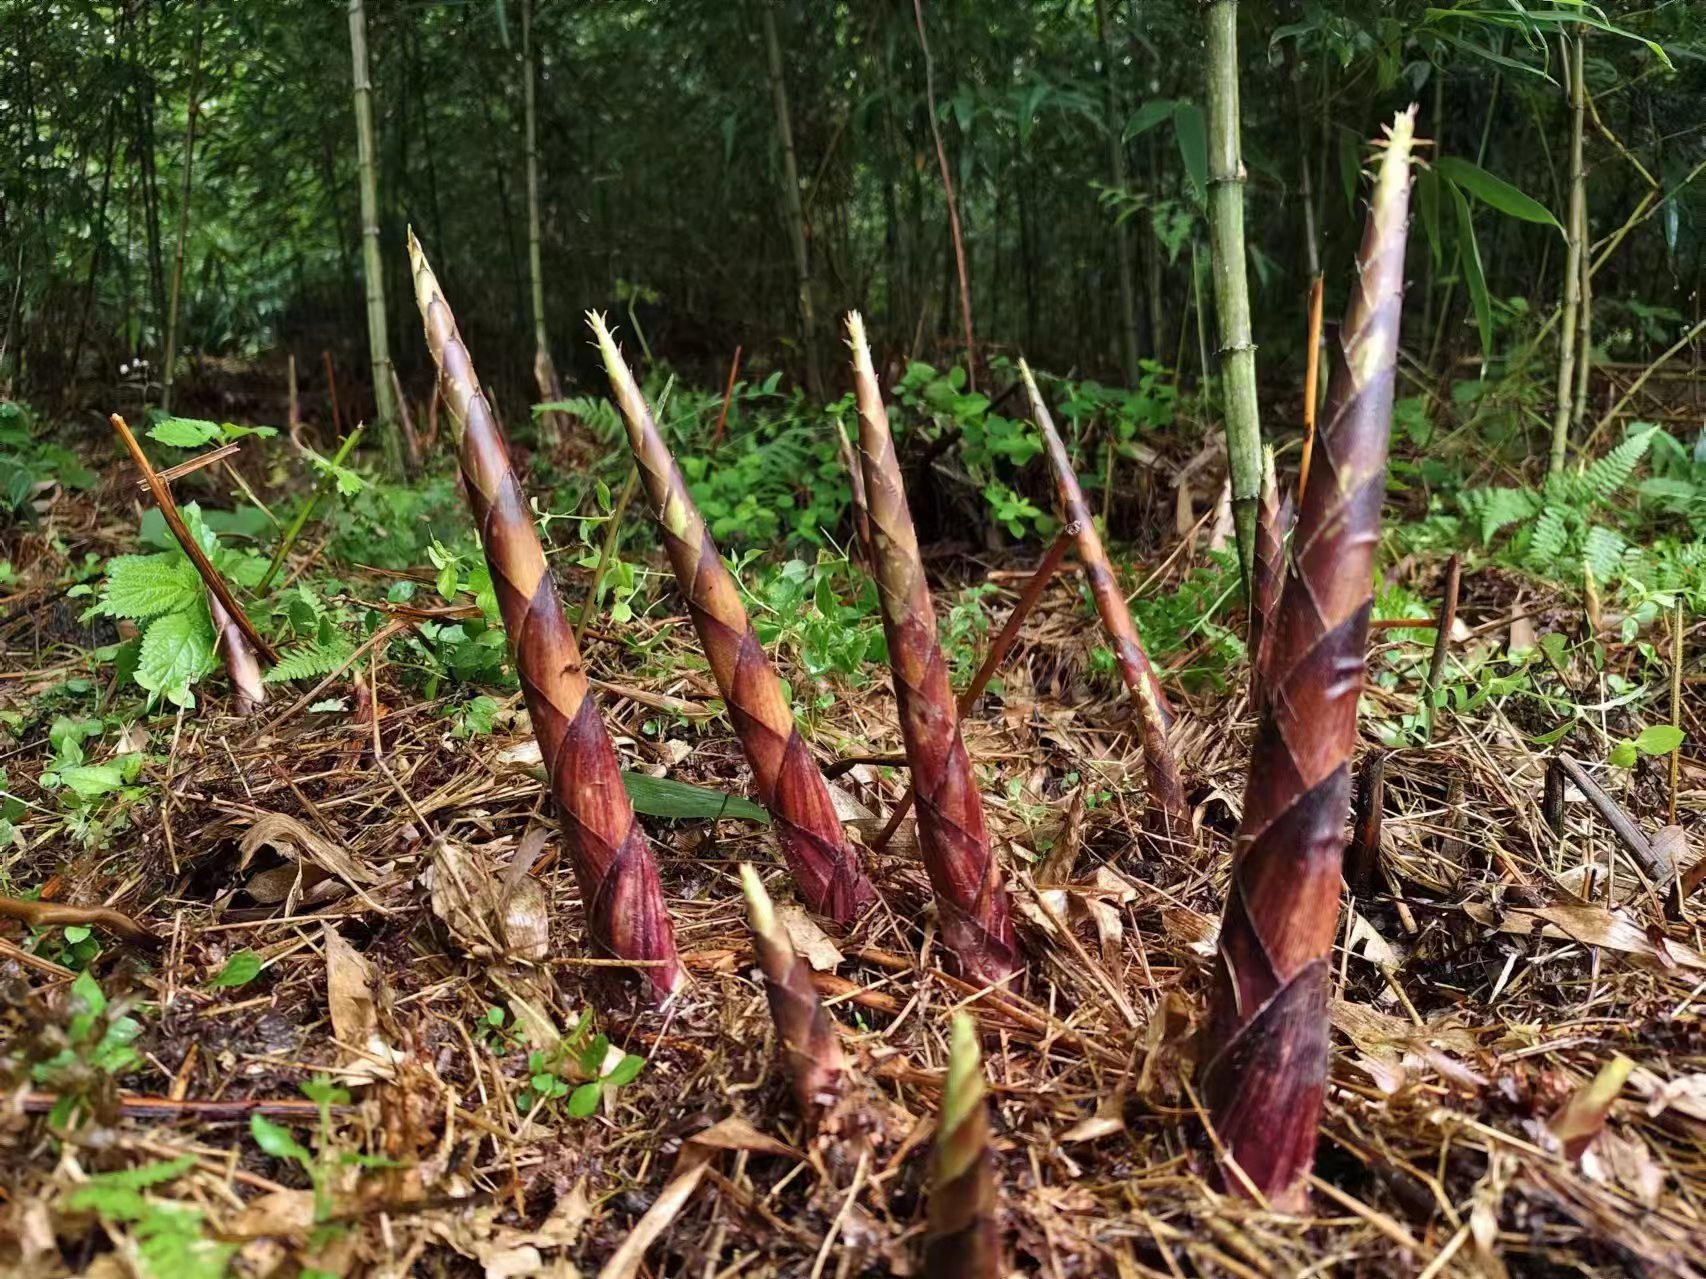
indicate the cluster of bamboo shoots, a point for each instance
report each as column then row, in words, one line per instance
column 1265, row 1073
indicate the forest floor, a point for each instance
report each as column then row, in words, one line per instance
column 1490, row 976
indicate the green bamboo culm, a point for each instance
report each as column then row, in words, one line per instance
column 1231, row 287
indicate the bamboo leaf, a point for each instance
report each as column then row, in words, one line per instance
column 1151, row 113
column 682, row 801
column 1192, row 133
column 1427, row 195
column 1473, row 276
column 1494, row 191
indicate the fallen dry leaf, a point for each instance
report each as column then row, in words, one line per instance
column 1590, row 926
column 293, row 841
column 625, row 1262
column 811, row 943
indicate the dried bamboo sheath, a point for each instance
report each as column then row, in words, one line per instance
column 626, row 914
column 1166, row 791
column 787, row 780
column 977, row 921
column 1266, row 1071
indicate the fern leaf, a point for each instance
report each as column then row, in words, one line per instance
column 1602, row 552
column 1549, row 538
column 1599, row 483
column 310, row 661
column 1497, row 508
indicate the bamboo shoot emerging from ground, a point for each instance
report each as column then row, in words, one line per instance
column 241, row 664
column 1265, row 1071
column 962, row 1240
column 809, row 1041
column 813, row 840
column 1166, row 791
column 624, row 902
column 977, row 921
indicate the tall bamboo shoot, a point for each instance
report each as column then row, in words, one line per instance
column 625, row 910
column 977, row 921
column 1266, row 1070
column 1166, row 791
column 812, row 838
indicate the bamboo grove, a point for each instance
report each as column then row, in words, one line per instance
column 1264, row 1057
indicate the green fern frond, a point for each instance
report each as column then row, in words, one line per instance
column 1495, row 508
column 1549, row 539
column 1602, row 551
column 311, row 661
column 1601, row 480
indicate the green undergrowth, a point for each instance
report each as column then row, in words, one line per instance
column 1623, row 532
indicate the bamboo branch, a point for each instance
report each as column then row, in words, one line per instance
column 1265, row 1072
column 626, row 914
column 1237, row 352
column 175, row 521
column 785, row 777
column 977, row 922
column 1166, row 790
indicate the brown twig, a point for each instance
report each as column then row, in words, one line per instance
column 728, row 398
column 192, row 548
column 1442, row 641
column 1628, row 832
column 1034, row 587
column 1311, row 381
column 332, row 394
column 55, row 915
column 194, row 464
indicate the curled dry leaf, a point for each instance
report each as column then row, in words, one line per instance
column 1590, row 926
column 292, row 840
column 351, row 987
column 1583, row 1116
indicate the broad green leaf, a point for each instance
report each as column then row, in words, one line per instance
column 1473, row 275
column 177, row 650
column 276, row 1140
column 1623, row 755
column 184, row 432
column 144, row 586
column 241, row 969
column 1496, row 192
column 1658, row 739
column 584, row 1100
column 1151, row 113
column 87, row 991
column 627, row 1070
column 1192, row 133
column 91, row 781
column 666, row 797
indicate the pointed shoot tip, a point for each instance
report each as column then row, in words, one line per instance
column 759, row 909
